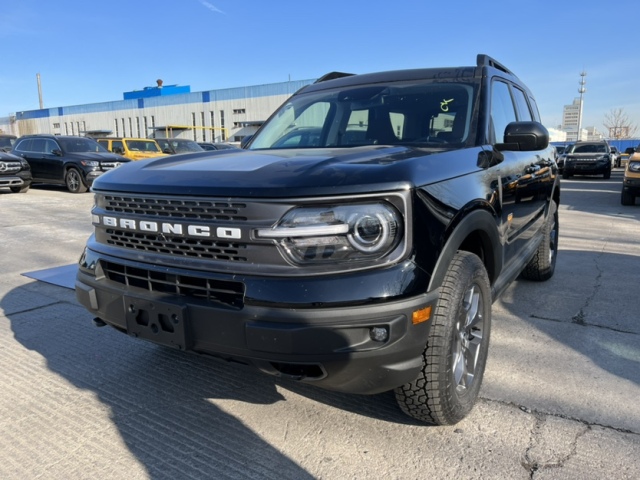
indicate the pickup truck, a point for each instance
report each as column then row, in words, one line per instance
column 356, row 243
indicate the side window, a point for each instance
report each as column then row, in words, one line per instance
column 524, row 114
column 502, row 111
column 39, row 145
column 24, row 145
column 534, row 108
column 50, row 146
column 117, row 146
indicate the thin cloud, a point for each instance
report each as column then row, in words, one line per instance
column 213, row 8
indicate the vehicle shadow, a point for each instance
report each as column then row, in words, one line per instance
column 164, row 403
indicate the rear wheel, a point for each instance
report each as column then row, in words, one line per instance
column 607, row 175
column 73, row 180
column 455, row 356
column 543, row 263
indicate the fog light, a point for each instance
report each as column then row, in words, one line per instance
column 379, row 334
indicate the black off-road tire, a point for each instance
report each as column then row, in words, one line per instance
column 565, row 174
column 543, row 264
column 607, row 175
column 455, row 356
column 74, row 182
column 20, row 189
column 627, row 199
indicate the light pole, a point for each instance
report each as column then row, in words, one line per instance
column 581, row 90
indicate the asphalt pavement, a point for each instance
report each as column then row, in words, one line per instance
column 559, row 399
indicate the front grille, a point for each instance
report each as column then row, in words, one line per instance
column 188, row 247
column 193, row 287
column 175, row 208
column 10, row 167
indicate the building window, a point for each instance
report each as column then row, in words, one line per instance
column 130, row 127
column 238, row 111
column 56, row 125
column 193, row 122
column 146, row 128
column 224, row 136
column 124, row 129
column 117, row 131
column 204, row 130
column 213, row 124
column 66, row 128
column 138, row 126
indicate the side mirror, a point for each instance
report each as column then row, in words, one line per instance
column 57, row 152
column 525, row 137
column 167, row 150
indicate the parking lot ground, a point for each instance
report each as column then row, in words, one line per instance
column 559, row 400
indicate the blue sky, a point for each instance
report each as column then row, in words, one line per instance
column 90, row 51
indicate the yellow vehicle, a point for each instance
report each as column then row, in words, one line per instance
column 631, row 180
column 133, row 148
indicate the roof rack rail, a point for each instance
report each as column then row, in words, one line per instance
column 486, row 60
column 332, row 76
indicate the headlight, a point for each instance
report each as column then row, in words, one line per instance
column 25, row 165
column 90, row 163
column 634, row 166
column 337, row 233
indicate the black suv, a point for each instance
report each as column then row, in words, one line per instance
column 72, row 161
column 588, row 158
column 356, row 244
column 15, row 173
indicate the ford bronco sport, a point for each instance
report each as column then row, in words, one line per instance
column 357, row 243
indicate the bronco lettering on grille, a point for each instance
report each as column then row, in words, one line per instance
column 170, row 228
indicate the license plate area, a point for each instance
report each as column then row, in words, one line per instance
column 159, row 322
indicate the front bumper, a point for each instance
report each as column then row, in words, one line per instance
column 332, row 347
column 20, row 180
column 597, row 167
column 631, row 185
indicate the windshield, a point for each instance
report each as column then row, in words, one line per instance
column 179, row 145
column 80, row 145
column 396, row 114
column 7, row 142
column 143, row 146
column 590, row 148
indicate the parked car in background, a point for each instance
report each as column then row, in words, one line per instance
column 132, row 148
column 217, row 146
column 6, row 142
column 15, row 173
column 615, row 156
column 631, row 180
column 72, row 161
column 624, row 157
column 588, row 158
column 178, row 145
column 561, row 152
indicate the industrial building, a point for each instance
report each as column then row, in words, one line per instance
column 163, row 111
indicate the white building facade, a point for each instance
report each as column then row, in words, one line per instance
column 210, row 116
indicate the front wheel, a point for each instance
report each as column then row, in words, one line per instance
column 20, row 189
column 627, row 199
column 455, row 356
column 73, row 180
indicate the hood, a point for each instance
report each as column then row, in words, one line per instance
column 286, row 173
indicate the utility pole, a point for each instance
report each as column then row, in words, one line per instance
column 581, row 90
column 39, row 91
